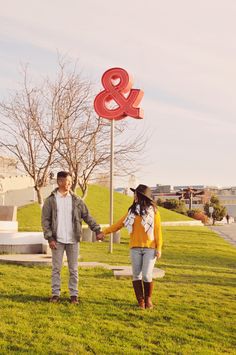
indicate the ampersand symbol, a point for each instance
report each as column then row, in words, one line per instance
column 127, row 106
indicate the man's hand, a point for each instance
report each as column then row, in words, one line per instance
column 53, row 244
column 158, row 254
column 100, row 236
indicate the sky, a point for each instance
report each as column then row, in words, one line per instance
column 182, row 54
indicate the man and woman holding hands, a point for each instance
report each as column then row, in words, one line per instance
column 62, row 216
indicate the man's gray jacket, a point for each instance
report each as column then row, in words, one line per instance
column 79, row 213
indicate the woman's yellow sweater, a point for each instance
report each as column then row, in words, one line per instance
column 138, row 236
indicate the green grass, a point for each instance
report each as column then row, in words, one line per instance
column 29, row 218
column 195, row 302
column 194, row 314
column 98, row 204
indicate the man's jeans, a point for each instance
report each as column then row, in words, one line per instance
column 72, row 253
column 143, row 261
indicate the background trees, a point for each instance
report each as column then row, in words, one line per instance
column 52, row 126
column 219, row 211
column 173, row 204
column 29, row 131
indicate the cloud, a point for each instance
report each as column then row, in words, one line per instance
column 181, row 53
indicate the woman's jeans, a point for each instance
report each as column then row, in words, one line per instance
column 143, row 261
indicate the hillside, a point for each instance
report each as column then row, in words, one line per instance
column 97, row 201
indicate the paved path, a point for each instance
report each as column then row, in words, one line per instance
column 227, row 231
column 120, row 271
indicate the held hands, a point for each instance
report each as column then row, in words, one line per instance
column 100, row 236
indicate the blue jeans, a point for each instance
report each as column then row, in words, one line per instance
column 72, row 253
column 143, row 261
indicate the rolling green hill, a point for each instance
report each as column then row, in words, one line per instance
column 97, row 201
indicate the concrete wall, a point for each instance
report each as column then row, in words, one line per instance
column 15, row 183
column 22, row 197
column 8, row 166
column 34, row 242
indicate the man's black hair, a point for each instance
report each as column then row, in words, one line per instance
column 63, row 174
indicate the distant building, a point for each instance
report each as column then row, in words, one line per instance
column 102, row 179
column 10, row 180
column 132, row 183
column 182, row 187
column 161, row 189
column 166, row 192
column 122, row 190
column 8, row 166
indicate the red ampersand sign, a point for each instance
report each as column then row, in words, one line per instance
column 127, row 106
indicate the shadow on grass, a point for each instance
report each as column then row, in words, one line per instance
column 197, row 268
column 24, row 298
column 200, row 260
column 211, row 280
column 111, row 302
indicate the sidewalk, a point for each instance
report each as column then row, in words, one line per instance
column 227, row 231
column 121, row 271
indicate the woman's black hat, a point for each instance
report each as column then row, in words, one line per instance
column 143, row 190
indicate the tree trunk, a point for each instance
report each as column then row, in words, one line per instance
column 39, row 195
column 84, row 190
column 73, row 186
column 83, row 187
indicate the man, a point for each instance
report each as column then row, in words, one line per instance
column 62, row 217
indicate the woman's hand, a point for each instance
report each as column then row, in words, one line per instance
column 158, row 254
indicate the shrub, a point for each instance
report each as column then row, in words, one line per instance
column 159, row 202
column 219, row 210
column 198, row 215
column 175, row 205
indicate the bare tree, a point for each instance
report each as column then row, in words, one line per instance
column 54, row 126
column 30, row 130
column 85, row 149
column 80, row 148
column 84, row 140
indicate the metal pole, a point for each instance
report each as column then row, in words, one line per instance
column 190, row 201
column 111, row 183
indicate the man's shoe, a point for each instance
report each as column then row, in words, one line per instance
column 54, row 299
column 74, row 300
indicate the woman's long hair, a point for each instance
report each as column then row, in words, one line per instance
column 144, row 203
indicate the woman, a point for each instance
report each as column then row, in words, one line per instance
column 144, row 225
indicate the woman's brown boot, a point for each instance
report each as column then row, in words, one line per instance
column 138, row 289
column 148, row 287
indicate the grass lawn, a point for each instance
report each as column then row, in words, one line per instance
column 98, row 204
column 195, row 303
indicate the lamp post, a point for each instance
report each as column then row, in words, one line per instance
column 211, row 210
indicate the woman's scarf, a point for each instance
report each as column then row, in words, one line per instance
column 147, row 221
